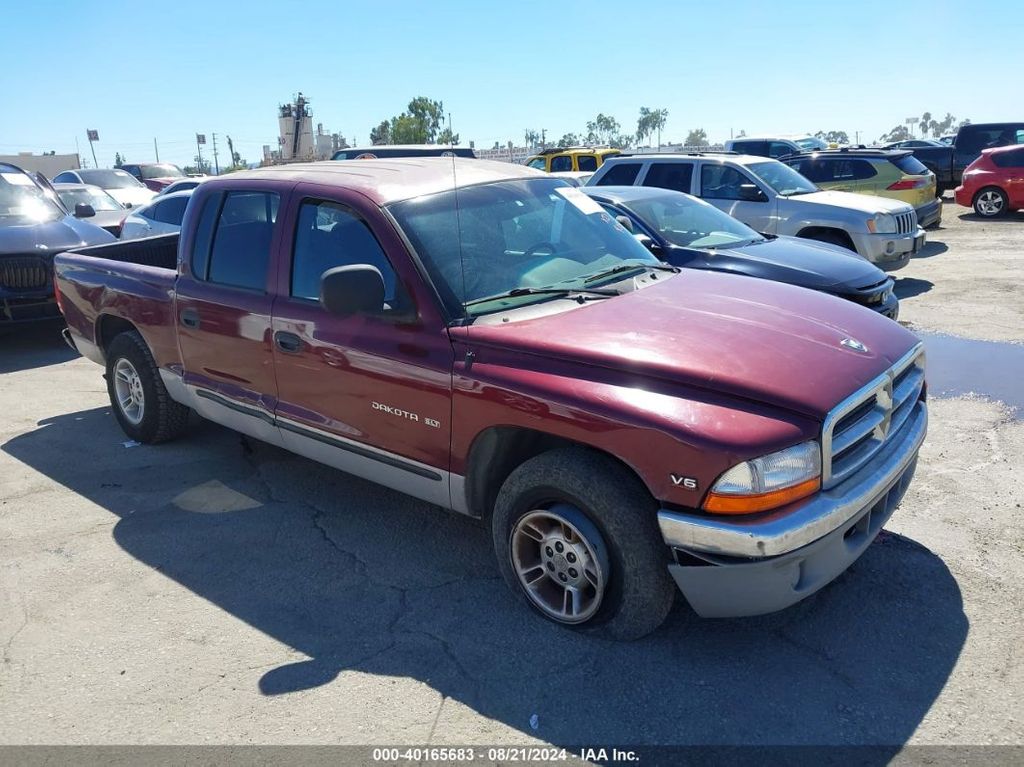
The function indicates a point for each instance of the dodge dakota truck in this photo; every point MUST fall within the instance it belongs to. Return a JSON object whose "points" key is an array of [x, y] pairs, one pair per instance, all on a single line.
{"points": [[486, 338]]}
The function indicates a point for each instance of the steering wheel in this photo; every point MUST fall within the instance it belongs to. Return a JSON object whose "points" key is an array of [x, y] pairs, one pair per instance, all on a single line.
{"points": [[535, 249]]}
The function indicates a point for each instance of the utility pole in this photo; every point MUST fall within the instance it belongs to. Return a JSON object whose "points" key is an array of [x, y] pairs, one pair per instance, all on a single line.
{"points": [[156, 149], [543, 138], [231, 151], [216, 165]]}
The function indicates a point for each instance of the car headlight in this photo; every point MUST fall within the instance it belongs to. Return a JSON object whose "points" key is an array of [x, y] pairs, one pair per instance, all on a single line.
{"points": [[767, 482], [882, 223]]}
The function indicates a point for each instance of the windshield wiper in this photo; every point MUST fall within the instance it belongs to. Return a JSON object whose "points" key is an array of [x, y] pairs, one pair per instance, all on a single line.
{"points": [[515, 292], [628, 267]]}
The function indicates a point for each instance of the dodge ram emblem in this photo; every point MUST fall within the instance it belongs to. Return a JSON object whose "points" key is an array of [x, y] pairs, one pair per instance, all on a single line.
{"points": [[853, 343]]}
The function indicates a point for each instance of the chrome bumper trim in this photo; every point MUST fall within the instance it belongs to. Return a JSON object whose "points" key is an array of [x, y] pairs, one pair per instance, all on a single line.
{"points": [[771, 534]]}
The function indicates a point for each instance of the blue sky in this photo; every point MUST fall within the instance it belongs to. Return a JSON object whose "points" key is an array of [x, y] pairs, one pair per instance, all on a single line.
{"points": [[168, 70]]}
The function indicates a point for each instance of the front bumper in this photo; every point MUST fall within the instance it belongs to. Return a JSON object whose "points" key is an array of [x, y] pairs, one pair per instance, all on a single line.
{"points": [[752, 566], [35, 308], [929, 214], [889, 252]]}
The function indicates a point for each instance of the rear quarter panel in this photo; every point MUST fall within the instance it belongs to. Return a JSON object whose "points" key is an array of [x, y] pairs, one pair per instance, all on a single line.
{"points": [[94, 288]]}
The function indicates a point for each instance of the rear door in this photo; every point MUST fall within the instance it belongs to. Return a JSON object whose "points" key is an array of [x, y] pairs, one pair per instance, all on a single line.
{"points": [[1011, 166], [369, 394], [677, 176], [223, 307]]}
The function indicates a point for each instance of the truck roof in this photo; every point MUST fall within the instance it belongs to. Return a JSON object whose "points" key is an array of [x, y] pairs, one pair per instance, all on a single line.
{"points": [[387, 181]]}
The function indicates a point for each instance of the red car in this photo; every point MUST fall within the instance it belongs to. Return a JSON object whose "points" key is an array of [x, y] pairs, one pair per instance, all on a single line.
{"points": [[994, 183], [155, 175]]}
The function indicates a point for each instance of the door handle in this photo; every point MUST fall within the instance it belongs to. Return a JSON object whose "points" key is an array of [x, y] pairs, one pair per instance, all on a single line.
{"points": [[190, 318], [287, 342]]}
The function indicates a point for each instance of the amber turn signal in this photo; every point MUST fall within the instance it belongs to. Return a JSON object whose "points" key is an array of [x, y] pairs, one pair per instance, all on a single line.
{"points": [[718, 503]]}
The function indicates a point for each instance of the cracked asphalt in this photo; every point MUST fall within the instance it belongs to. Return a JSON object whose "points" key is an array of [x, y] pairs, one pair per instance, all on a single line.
{"points": [[218, 590]]}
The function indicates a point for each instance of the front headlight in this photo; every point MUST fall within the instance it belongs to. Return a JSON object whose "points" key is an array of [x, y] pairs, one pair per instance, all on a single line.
{"points": [[882, 223], [767, 482]]}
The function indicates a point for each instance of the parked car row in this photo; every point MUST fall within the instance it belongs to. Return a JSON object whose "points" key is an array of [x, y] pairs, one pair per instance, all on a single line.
{"points": [[495, 341]]}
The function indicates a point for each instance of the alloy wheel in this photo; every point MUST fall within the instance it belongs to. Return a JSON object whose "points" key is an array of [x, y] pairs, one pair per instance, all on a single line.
{"points": [[128, 387]]}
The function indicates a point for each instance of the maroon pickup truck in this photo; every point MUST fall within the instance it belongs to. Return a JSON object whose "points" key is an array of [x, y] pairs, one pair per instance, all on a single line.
{"points": [[486, 338]]}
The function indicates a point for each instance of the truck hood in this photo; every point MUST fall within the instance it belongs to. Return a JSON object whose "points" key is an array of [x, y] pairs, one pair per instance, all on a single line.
{"points": [[868, 204], [807, 263], [753, 339], [51, 237]]}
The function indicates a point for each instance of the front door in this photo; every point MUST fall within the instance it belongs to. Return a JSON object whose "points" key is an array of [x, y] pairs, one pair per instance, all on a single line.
{"points": [[739, 195], [223, 308], [367, 393]]}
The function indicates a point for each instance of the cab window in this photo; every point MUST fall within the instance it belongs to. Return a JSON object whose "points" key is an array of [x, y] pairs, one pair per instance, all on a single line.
{"points": [[586, 162], [561, 163], [240, 253], [329, 235], [720, 182], [677, 176]]}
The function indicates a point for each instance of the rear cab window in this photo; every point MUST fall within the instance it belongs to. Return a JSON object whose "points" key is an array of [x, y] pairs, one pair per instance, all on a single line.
{"points": [[170, 211], [233, 239]]}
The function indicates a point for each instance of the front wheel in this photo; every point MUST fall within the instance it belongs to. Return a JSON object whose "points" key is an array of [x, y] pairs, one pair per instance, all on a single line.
{"points": [[138, 397], [990, 202], [576, 537]]}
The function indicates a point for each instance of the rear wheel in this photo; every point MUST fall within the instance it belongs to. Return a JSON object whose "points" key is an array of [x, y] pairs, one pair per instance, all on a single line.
{"points": [[138, 397], [576, 537], [990, 202]]}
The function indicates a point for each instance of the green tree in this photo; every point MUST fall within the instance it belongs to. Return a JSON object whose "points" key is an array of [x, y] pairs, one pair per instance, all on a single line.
{"points": [[569, 139], [741, 134], [651, 121], [447, 137], [532, 137], [833, 136], [430, 114], [697, 137], [899, 133], [381, 134], [927, 124], [118, 160]]}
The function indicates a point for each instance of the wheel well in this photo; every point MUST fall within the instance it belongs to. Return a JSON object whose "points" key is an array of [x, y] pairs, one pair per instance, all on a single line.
{"points": [[498, 451], [814, 232], [109, 327]]}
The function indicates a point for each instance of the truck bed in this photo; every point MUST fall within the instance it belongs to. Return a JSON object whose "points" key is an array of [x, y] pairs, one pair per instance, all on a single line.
{"points": [[103, 287]]}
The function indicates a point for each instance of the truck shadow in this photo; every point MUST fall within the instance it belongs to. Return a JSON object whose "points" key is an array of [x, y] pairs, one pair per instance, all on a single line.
{"points": [[35, 345], [360, 578]]}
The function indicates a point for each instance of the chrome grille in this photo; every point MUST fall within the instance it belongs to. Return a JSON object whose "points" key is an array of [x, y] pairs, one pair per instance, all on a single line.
{"points": [[906, 223], [24, 272], [861, 424]]}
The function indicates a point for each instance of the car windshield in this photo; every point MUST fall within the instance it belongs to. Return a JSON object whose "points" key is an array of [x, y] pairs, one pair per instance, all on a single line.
{"points": [[22, 201], [524, 234], [97, 198], [163, 170], [690, 223], [108, 179], [783, 179]]}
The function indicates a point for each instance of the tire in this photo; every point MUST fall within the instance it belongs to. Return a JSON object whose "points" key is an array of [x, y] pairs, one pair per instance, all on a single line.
{"points": [[606, 514], [991, 202], [832, 238], [132, 373]]}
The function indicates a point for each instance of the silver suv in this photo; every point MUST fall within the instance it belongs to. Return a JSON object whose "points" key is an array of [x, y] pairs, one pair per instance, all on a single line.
{"points": [[772, 198]]}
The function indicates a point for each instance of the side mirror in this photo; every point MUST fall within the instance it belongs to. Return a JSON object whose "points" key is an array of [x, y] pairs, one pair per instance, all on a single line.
{"points": [[355, 289], [626, 222], [84, 210], [751, 193], [648, 243]]}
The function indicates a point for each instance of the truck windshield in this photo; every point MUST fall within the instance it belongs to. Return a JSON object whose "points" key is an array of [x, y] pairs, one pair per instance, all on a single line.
{"points": [[783, 179], [519, 234], [22, 201]]}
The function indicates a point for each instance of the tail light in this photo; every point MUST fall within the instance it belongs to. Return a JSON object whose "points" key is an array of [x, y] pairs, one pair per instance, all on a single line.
{"points": [[908, 183]]}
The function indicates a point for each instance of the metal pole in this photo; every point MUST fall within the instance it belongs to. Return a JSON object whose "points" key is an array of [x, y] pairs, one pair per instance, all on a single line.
{"points": [[216, 165], [199, 151], [93, 148], [156, 149]]}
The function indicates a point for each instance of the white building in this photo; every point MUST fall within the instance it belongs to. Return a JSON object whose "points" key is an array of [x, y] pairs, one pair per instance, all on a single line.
{"points": [[47, 164]]}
